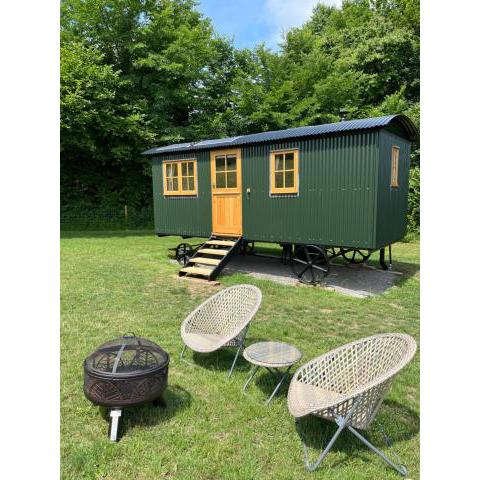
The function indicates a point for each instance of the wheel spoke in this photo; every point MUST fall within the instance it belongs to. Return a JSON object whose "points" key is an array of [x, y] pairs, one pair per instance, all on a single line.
{"points": [[310, 263], [305, 278], [304, 270], [300, 261]]}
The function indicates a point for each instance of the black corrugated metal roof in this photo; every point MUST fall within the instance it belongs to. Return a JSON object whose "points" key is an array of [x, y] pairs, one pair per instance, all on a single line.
{"points": [[290, 133]]}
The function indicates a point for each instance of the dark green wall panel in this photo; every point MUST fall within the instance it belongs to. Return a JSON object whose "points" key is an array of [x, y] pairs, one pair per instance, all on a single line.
{"points": [[392, 202], [183, 215], [336, 201]]}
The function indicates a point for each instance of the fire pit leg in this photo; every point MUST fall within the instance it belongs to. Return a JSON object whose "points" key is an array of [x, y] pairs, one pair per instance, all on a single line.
{"points": [[115, 415]]}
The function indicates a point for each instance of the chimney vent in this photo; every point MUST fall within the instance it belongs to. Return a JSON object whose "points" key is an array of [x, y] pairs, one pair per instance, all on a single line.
{"points": [[343, 115]]}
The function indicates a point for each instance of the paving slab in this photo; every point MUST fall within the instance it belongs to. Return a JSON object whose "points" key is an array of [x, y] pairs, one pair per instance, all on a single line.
{"points": [[353, 280]]}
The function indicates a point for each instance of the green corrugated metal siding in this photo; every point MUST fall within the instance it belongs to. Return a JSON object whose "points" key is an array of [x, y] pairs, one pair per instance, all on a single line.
{"points": [[183, 215], [336, 201], [392, 203]]}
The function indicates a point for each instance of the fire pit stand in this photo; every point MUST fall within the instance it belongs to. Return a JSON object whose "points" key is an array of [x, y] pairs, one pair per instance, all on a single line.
{"points": [[115, 414], [125, 372]]}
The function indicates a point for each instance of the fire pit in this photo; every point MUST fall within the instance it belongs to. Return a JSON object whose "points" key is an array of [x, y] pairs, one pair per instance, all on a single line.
{"points": [[125, 372]]}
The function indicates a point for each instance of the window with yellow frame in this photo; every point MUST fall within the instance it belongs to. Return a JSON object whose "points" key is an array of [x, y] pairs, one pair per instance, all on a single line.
{"points": [[180, 177], [394, 166], [284, 171]]}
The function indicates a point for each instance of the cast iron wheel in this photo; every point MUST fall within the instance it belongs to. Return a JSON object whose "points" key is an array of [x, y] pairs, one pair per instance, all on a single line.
{"points": [[355, 255], [183, 252], [332, 252], [310, 264]]}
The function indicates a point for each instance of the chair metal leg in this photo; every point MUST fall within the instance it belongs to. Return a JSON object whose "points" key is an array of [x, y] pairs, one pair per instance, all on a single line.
{"points": [[235, 360], [255, 370], [342, 422], [183, 351], [313, 466], [241, 339], [401, 469]]}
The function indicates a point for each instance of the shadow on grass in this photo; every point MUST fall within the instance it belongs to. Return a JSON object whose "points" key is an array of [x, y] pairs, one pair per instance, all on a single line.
{"points": [[266, 382], [399, 422], [176, 398], [220, 360]]}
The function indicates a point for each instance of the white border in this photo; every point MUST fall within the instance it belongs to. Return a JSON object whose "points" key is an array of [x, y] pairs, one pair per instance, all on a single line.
{"points": [[29, 202], [450, 206]]}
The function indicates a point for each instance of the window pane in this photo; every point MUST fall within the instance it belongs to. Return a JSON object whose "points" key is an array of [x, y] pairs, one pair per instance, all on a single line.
{"points": [[289, 179], [190, 169], [279, 180], [191, 183], [175, 184], [174, 169], [394, 167], [220, 163], [289, 161], [168, 169], [184, 169], [231, 179], [231, 162], [169, 184], [220, 183], [279, 162], [184, 183]]}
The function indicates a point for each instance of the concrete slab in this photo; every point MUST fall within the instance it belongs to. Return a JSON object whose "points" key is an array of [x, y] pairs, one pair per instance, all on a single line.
{"points": [[353, 280]]}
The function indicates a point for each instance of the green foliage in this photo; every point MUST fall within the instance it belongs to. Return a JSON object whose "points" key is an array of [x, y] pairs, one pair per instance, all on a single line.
{"points": [[413, 218], [133, 74], [152, 72], [101, 129], [356, 57]]}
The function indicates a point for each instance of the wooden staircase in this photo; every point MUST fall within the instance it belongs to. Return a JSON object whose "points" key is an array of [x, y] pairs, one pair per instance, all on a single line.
{"points": [[209, 260]]}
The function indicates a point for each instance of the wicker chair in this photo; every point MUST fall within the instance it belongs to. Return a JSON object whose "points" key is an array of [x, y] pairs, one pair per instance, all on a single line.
{"points": [[347, 386], [221, 321]]}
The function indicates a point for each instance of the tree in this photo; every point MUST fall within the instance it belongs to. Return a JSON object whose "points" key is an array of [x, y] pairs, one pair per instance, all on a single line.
{"points": [[140, 72], [135, 73], [100, 131]]}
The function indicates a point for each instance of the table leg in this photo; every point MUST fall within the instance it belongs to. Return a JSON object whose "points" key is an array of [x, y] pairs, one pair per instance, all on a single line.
{"points": [[251, 377], [279, 384]]}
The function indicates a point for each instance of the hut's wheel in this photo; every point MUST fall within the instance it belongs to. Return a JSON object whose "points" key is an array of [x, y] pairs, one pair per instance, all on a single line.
{"points": [[183, 252], [332, 252], [355, 255], [310, 264]]}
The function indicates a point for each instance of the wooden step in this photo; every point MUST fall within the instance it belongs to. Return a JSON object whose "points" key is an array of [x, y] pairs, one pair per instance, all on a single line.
{"points": [[227, 243], [197, 271], [213, 251], [205, 261]]}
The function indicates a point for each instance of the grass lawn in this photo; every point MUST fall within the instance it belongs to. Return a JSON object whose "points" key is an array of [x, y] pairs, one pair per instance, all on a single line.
{"points": [[119, 282]]}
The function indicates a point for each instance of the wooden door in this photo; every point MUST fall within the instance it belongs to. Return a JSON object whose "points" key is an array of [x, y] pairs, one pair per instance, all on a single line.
{"points": [[226, 168]]}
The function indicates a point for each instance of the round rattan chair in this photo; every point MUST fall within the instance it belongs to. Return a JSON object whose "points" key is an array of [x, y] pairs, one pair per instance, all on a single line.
{"points": [[221, 321], [347, 386]]}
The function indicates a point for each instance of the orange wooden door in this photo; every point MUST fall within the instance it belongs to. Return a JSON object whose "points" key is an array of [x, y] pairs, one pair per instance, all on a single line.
{"points": [[226, 168]]}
